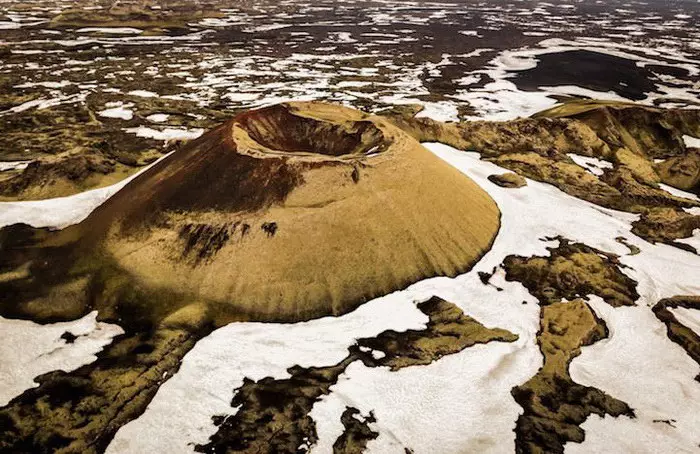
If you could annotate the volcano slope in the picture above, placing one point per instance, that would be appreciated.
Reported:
(243, 219)
(282, 214)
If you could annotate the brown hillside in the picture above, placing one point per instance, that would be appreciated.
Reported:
(286, 213)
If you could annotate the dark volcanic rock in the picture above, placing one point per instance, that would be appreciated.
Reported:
(592, 70)
(449, 331)
(356, 434)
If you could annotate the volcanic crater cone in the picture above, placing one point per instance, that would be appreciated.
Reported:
(284, 213)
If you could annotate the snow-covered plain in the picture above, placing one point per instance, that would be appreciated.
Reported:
(637, 346)
(307, 57)
(253, 350)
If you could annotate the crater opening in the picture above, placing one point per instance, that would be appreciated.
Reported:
(280, 129)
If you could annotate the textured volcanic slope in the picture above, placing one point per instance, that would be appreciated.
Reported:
(638, 147)
(285, 213)
(645, 131)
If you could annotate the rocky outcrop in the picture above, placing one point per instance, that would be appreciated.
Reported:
(80, 411)
(682, 335)
(357, 432)
(682, 172)
(508, 180)
(573, 270)
(645, 131)
(627, 136)
(273, 414)
(666, 225)
(448, 331)
(554, 406)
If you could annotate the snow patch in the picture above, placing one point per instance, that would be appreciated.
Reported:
(61, 212)
(691, 142)
(28, 349)
(169, 133)
(13, 165)
(117, 110)
(679, 192)
(594, 165)
(111, 30)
